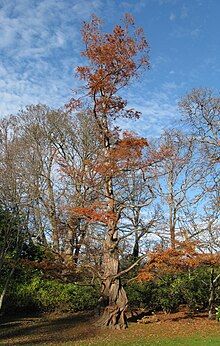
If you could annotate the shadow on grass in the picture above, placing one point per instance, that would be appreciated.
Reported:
(36, 330)
(136, 315)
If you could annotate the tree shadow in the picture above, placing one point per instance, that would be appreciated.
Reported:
(41, 330)
(135, 315)
(188, 316)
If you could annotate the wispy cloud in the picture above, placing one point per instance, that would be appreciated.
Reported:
(157, 112)
(191, 31)
(172, 17)
(135, 6)
(184, 12)
(40, 45)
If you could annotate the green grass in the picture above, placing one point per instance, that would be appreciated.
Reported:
(193, 341)
(197, 341)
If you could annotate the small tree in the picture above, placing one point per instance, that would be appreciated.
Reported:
(184, 257)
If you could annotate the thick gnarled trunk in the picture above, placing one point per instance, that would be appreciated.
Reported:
(114, 298)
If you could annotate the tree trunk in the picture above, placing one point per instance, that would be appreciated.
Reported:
(75, 236)
(135, 253)
(213, 284)
(2, 296)
(114, 298)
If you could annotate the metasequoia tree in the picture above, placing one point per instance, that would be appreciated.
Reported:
(114, 59)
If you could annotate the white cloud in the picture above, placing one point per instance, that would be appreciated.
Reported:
(184, 12)
(134, 7)
(40, 46)
(183, 32)
(172, 17)
(158, 113)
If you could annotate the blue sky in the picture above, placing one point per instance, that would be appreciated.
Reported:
(40, 47)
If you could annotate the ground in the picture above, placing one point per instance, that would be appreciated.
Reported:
(78, 329)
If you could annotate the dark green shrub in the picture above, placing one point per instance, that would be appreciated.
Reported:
(140, 294)
(22, 296)
(170, 290)
(195, 288)
(50, 295)
(166, 294)
(161, 294)
(54, 295)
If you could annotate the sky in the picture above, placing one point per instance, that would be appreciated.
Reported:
(40, 47)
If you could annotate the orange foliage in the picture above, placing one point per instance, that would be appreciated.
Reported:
(93, 213)
(114, 58)
(131, 152)
(170, 260)
(130, 146)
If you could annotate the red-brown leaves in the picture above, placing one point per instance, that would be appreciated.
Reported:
(114, 58)
(170, 260)
(53, 265)
(126, 155)
(129, 151)
(94, 213)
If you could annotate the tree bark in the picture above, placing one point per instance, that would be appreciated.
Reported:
(114, 298)
(212, 296)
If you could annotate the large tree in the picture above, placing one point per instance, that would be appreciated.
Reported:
(114, 59)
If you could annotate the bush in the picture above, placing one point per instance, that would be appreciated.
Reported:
(161, 294)
(54, 295)
(167, 295)
(50, 295)
(140, 294)
(195, 288)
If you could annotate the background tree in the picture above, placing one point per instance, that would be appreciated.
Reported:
(13, 235)
(201, 110)
(179, 183)
(75, 162)
(141, 216)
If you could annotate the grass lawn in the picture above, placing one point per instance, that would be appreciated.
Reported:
(78, 330)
